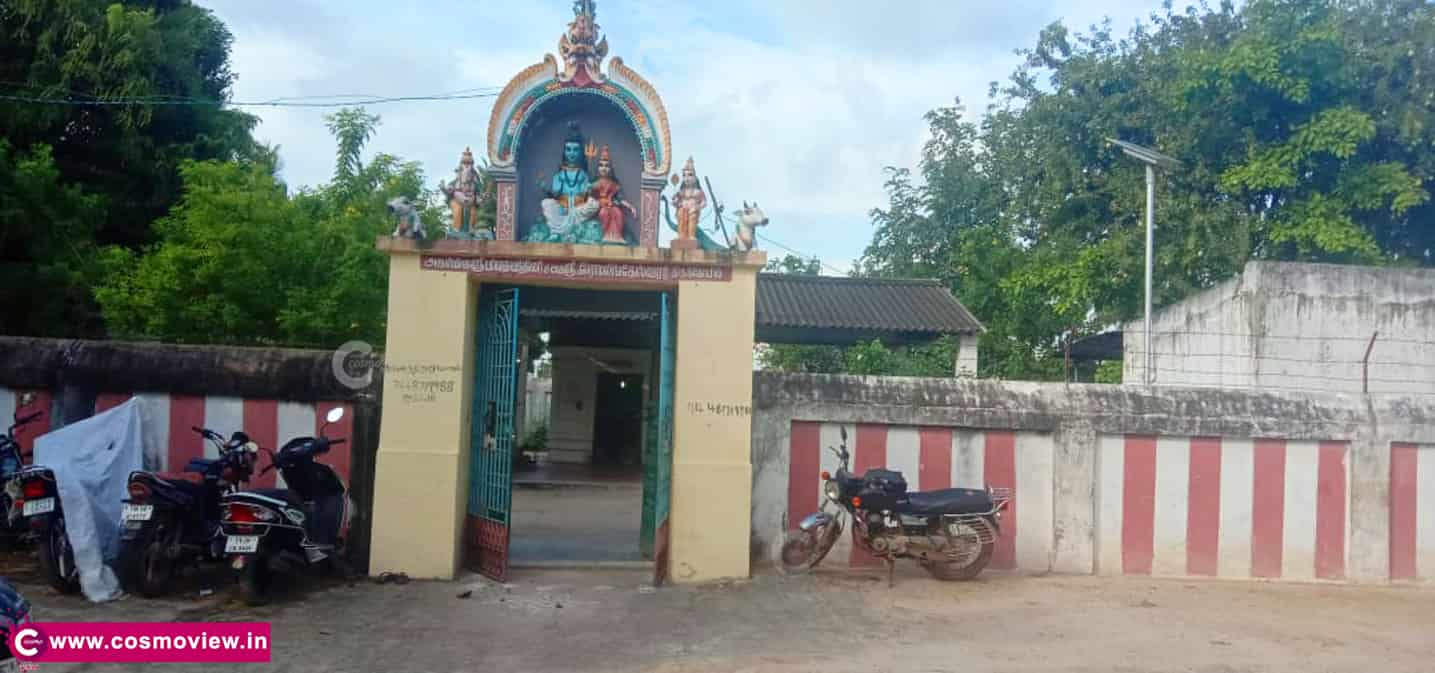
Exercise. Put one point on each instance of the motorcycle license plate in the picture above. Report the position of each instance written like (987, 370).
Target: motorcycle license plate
(136, 513)
(40, 506)
(241, 544)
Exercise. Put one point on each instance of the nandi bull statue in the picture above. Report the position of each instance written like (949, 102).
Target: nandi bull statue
(748, 220)
(408, 223)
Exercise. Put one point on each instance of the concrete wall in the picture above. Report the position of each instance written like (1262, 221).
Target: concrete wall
(538, 402)
(421, 491)
(575, 396)
(712, 428)
(967, 356)
(271, 394)
(1289, 326)
(1123, 479)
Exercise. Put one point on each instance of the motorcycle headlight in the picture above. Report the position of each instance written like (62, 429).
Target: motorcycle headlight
(832, 490)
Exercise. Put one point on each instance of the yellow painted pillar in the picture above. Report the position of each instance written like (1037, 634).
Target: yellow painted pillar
(421, 477)
(711, 515)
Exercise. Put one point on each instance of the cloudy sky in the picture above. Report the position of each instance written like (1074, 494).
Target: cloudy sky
(796, 105)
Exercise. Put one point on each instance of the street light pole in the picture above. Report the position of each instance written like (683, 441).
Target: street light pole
(1150, 247)
(1153, 160)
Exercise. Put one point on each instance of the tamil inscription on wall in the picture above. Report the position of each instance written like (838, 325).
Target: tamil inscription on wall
(585, 271)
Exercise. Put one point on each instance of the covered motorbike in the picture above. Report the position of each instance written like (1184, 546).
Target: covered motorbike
(950, 532)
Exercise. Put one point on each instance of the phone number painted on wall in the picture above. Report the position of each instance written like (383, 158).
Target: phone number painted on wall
(613, 272)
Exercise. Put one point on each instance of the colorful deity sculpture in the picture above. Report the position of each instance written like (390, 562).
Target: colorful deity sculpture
(689, 201)
(569, 216)
(463, 200)
(612, 208)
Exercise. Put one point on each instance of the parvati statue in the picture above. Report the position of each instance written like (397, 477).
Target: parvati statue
(569, 216)
(689, 202)
(611, 206)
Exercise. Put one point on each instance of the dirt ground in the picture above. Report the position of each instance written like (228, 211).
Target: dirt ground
(831, 622)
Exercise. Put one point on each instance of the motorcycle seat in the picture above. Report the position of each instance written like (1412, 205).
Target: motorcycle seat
(948, 501)
(278, 494)
(179, 479)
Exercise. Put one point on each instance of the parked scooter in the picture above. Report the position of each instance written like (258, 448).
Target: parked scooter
(11, 462)
(170, 520)
(951, 532)
(274, 529)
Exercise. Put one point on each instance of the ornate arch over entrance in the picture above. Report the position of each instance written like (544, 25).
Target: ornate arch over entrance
(579, 74)
(539, 84)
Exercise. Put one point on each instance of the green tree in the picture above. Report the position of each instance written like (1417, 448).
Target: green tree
(129, 156)
(1303, 132)
(46, 243)
(240, 261)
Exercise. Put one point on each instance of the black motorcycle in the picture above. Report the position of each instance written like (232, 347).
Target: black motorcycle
(173, 520)
(12, 461)
(45, 517)
(276, 529)
(951, 532)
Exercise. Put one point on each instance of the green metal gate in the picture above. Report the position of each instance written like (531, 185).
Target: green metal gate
(490, 491)
(661, 467)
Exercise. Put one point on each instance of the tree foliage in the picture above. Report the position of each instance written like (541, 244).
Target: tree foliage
(240, 261)
(1304, 129)
(125, 159)
(46, 243)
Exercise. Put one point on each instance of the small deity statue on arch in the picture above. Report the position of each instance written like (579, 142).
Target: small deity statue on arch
(464, 201)
(612, 207)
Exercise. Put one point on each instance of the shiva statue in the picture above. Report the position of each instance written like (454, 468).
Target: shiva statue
(569, 216)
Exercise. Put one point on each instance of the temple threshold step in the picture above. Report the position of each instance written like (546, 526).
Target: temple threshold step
(581, 565)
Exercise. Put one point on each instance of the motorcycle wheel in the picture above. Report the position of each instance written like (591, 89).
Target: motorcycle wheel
(57, 559)
(145, 565)
(254, 581)
(808, 548)
(956, 571)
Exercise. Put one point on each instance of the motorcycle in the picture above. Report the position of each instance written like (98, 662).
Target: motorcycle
(40, 506)
(950, 532)
(169, 520)
(279, 529)
(12, 461)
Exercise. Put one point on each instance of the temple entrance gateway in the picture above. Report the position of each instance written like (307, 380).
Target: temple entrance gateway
(650, 347)
(596, 492)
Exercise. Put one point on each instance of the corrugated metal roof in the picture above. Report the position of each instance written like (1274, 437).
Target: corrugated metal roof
(875, 304)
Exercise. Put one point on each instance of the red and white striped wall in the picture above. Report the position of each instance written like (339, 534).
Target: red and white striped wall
(1412, 511)
(932, 458)
(1267, 508)
(170, 441)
